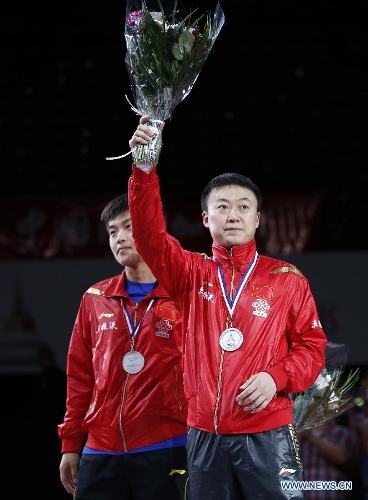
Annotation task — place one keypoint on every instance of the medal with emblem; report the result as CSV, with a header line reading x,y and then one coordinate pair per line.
x,y
231,339
133,362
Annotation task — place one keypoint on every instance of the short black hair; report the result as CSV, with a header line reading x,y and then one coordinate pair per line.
x,y
117,206
230,179
114,208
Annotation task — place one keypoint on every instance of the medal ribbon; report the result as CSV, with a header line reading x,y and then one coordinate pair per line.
x,y
133,329
231,303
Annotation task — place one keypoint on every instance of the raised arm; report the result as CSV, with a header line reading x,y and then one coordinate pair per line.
x,y
169,262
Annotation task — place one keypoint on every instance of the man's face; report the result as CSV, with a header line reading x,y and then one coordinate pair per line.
x,y
121,240
232,216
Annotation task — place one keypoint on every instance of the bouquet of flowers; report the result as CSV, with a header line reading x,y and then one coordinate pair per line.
x,y
166,50
329,396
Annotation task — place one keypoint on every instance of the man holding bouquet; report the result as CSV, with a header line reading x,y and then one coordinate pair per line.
x,y
252,335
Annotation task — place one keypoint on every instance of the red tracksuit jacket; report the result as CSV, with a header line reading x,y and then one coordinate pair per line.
x,y
275,312
121,411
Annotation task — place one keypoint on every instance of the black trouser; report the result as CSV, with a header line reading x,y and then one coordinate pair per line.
x,y
133,476
243,466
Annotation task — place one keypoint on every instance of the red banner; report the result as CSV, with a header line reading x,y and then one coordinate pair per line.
x,y
70,227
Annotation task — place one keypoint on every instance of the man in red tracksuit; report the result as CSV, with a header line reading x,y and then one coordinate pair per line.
x,y
252,335
124,431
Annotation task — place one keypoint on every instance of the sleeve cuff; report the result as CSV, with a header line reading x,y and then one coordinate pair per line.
x,y
279,376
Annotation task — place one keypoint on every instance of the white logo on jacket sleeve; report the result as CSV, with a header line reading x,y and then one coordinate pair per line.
x,y
261,307
163,327
316,324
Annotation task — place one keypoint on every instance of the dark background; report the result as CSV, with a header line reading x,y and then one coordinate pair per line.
x,y
282,98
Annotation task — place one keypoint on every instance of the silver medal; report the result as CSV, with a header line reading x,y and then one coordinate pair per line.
x,y
231,339
133,362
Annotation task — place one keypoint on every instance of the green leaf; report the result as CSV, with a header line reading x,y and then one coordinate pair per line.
x,y
177,52
186,41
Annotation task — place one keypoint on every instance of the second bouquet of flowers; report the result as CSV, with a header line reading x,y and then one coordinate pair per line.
x,y
329,396
167,47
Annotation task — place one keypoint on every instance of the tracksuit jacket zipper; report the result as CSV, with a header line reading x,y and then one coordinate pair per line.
x,y
228,324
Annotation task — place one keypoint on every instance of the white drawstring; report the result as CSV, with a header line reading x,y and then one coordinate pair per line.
x,y
129,152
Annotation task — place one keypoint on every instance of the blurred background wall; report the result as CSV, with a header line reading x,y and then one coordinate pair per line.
x,y
282,98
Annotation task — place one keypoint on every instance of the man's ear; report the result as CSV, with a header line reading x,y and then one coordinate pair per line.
x,y
205,219
259,219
